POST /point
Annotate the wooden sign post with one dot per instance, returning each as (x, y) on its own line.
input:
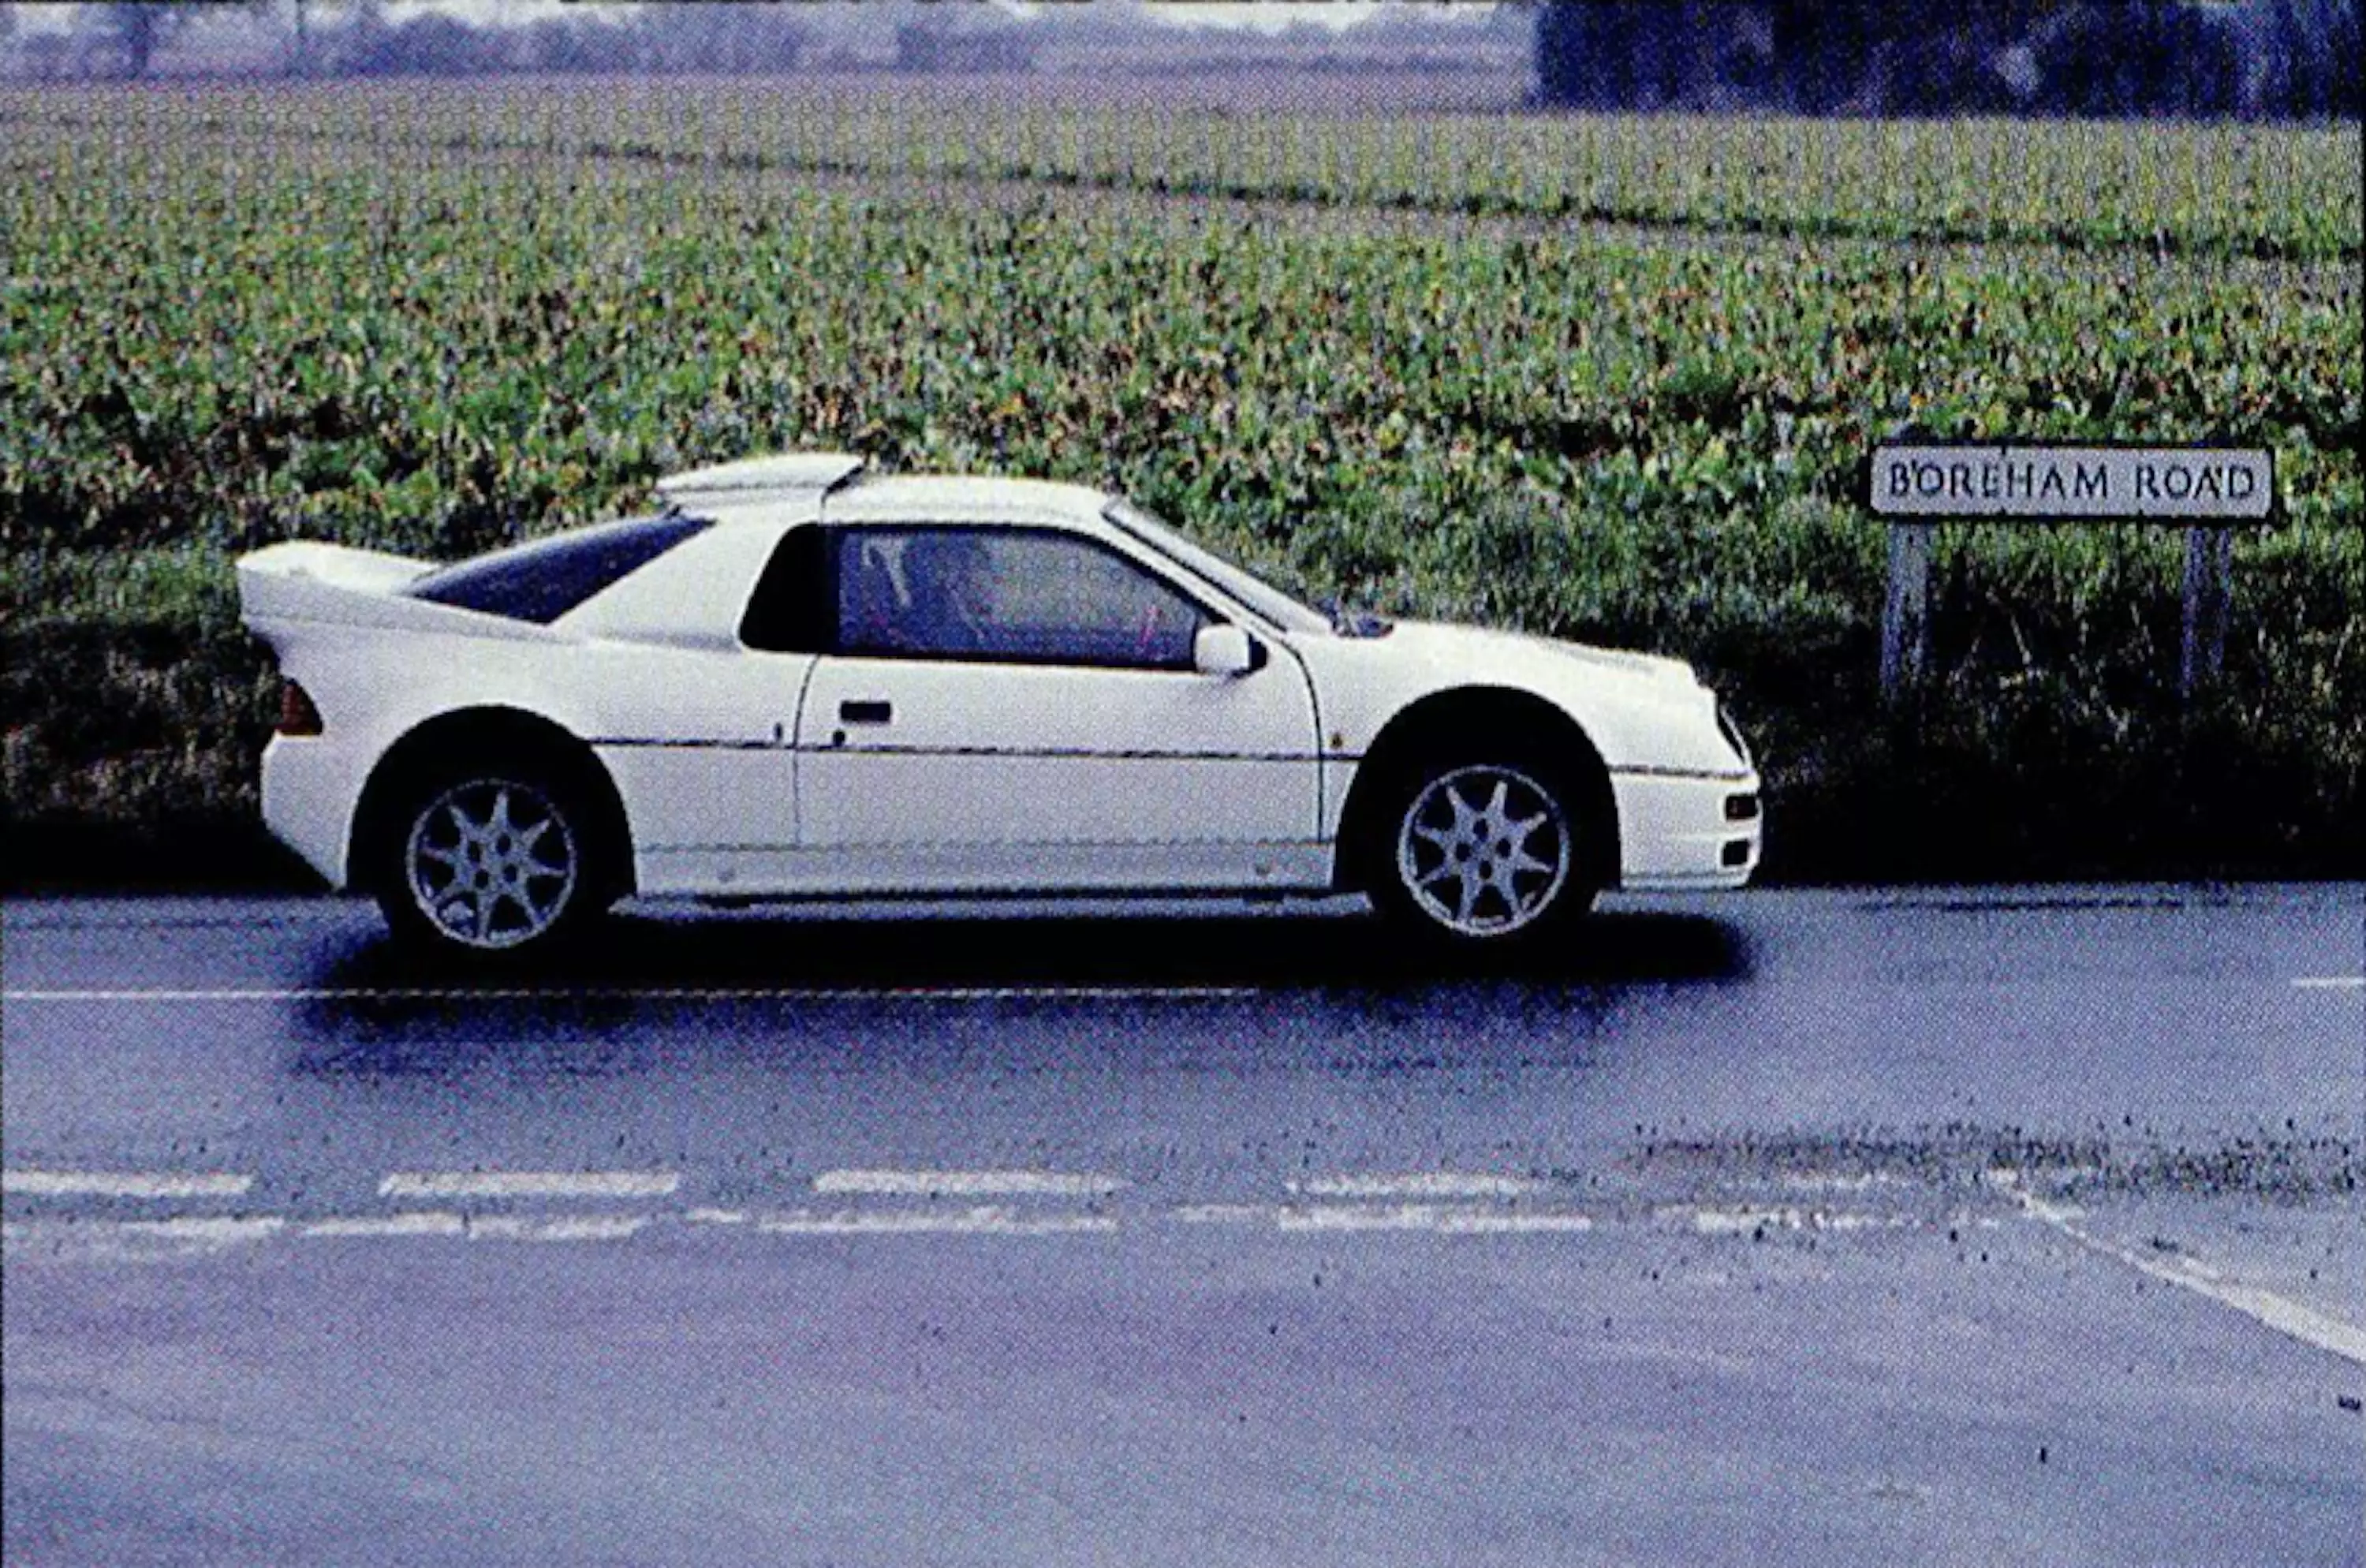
(1919, 484)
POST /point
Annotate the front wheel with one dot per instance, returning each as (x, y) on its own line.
(490, 863)
(1481, 852)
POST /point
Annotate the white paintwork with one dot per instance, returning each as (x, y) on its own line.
(966, 1183)
(984, 1220)
(2292, 1319)
(1671, 830)
(1006, 767)
(426, 1222)
(180, 1235)
(1419, 1184)
(1443, 1220)
(530, 1184)
(737, 778)
(122, 1184)
(650, 993)
(759, 479)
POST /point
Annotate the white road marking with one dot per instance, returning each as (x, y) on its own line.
(964, 1184)
(424, 1222)
(572, 1227)
(2283, 1316)
(1743, 1221)
(1439, 1218)
(1445, 1220)
(188, 1233)
(1545, 1222)
(121, 1184)
(988, 1221)
(628, 993)
(480, 1227)
(2331, 982)
(1422, 1184)
(1223, 1213)
(530, 1184)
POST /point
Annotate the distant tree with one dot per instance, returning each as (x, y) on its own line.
(300, 43)
(1887, 57)
(2310, 52)
(429, 45)
(730, 39)
(132, 30)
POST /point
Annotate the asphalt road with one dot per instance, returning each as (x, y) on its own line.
(2016, 1225)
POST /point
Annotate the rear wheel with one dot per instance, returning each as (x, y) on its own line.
(492, 860)
(1481, 852)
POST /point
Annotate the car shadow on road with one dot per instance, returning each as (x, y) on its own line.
(630, 956)
(1334, 989)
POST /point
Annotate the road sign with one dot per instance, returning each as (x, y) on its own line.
(1916, 484)
(2054, 484)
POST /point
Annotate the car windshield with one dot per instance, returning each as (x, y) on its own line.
(1268, 602)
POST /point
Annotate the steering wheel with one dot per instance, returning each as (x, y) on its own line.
(1142, 645)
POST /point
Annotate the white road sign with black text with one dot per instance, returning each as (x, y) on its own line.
(2198, 484)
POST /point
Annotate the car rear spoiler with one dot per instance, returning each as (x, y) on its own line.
(306, 582)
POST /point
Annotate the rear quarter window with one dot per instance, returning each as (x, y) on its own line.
(541, 580)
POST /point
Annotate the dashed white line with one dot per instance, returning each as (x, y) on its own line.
(628, 993)
(964, 1184)
(2331, 982)
(122, 1184)
(186, 1233)
(1224, 1213)
(530, 1184)
(1446, 1219)
(1419, 1184)
(1443, 1219)
(1745, 1220)
(572, 1227)
(2283, 1316)
(426, 1222)
(1539, 1223)
(988, 1221)
(480, 1227)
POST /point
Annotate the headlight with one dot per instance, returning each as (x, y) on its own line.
(1732, 733)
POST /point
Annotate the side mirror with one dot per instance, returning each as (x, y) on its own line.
(1226, 651)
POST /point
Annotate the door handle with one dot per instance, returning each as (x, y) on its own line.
(866, 713)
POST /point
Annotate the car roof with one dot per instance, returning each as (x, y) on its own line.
(962, 497)
(954, 501)
(796, 487)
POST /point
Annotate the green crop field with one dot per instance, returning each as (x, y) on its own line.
(1603, 378)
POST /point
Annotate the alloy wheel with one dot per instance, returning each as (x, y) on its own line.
(491, 863)
(1484, 849)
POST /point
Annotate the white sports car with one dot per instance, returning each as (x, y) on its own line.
(802, 681)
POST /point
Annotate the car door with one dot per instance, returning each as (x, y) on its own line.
(1006, 707)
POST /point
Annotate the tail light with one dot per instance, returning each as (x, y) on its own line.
(297, 714)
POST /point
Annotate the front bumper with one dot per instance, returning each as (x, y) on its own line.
(1679, 830)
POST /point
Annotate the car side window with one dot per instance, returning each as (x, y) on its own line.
(790, 610)
(1006, 595)
(543, 579)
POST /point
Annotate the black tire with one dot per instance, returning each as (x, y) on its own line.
(489, 863)
(1476, 852)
